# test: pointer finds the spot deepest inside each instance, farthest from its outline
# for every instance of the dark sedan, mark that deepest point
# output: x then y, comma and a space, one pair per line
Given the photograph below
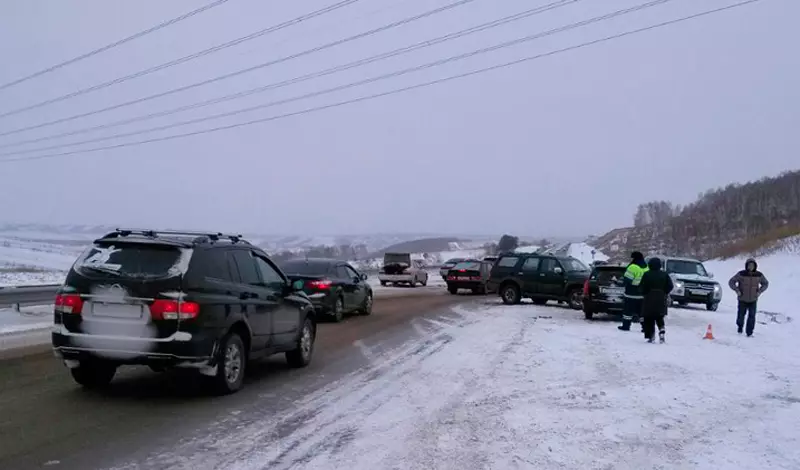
334, 287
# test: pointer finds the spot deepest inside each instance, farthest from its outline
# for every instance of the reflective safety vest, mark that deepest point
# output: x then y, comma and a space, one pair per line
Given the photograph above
634, 274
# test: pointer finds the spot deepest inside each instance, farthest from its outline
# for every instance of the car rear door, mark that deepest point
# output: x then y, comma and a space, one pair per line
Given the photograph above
529, 275
255, 297
285, 317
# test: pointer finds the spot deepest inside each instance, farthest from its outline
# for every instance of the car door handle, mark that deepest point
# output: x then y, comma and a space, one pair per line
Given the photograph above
542, 274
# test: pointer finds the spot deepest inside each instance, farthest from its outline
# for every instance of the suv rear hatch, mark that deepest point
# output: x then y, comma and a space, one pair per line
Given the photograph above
605, 282
396, 263
126, 289
465, 271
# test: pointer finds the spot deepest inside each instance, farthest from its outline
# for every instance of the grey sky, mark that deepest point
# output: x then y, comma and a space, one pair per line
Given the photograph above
566, 145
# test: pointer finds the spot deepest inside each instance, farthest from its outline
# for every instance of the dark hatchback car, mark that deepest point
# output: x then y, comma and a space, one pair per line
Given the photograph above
334, 287
540, 278
207, 302
602, 292
470, 274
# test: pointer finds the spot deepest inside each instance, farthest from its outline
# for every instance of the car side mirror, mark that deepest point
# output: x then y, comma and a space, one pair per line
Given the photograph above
297, 285
363, 276
558, 271
356, 279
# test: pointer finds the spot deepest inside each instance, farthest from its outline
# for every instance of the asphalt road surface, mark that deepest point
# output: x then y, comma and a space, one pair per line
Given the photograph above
47, 421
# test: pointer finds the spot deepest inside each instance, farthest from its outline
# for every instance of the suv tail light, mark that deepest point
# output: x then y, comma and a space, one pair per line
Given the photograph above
586, 288
163, 309
69, 303
321, 284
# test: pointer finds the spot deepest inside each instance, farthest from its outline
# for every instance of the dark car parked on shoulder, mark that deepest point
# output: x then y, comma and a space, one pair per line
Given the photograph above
539, 277
448, 265
469, 274
602, 292
203, 301
334, 287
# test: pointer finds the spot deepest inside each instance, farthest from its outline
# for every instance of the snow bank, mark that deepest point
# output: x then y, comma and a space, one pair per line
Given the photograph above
587, 254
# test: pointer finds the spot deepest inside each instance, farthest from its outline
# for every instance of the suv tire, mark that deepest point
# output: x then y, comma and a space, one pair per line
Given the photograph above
338, 310
510, 294
94, 374
300, 356
366, 309
575, 298
712, 307
231, 362
413, 282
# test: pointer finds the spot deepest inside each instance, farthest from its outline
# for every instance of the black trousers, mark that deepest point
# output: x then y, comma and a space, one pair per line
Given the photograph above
650, 324
632, 308
749, 309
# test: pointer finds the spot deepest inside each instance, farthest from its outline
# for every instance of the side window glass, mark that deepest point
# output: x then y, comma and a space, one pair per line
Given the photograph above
247, 267
508, 261
350, 272
531, 264
214, 265
269, 275
341, 273
549, 265
232, 268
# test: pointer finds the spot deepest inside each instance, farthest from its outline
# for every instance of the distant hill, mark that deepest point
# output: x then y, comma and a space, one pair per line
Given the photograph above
725, 222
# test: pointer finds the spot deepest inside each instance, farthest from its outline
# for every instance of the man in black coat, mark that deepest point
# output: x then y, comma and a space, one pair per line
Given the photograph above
655, 287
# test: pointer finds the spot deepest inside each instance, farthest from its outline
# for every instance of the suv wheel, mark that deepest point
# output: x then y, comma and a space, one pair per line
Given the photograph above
94, 374
338, 310
413, 282
366, 309
712, 307
300, 356
575, 298
231, 360
425, 282
510, 294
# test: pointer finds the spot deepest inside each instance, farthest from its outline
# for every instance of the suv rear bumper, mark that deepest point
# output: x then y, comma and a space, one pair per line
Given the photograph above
603, 306
395, 277
180, 349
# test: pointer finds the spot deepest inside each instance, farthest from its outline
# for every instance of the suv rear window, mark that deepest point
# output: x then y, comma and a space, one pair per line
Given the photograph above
573, 265
607, 274
468, 266
507, 261
133, 260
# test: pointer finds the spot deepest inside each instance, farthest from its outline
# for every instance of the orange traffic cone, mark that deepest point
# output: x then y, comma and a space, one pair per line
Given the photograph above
709, 334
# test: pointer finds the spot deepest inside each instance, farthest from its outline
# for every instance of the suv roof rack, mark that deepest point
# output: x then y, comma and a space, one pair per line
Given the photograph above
124, 232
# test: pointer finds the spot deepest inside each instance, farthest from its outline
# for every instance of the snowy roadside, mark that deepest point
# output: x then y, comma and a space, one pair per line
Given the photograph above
538, 388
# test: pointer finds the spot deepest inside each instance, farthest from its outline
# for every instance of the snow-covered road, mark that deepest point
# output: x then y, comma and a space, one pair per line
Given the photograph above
540, 388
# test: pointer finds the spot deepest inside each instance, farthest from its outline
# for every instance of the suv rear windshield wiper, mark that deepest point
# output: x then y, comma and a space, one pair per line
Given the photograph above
101, 269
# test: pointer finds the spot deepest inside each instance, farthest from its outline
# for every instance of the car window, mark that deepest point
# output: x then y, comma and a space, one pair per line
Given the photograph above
548, 265
574, 265
531, 264
233, 269
214, 265
508, 261
130, 260
269, 274
341, 273
686, 267
247, 267
468, 266
352, 273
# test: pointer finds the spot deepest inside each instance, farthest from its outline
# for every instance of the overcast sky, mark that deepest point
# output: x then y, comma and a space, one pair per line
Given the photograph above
565, 145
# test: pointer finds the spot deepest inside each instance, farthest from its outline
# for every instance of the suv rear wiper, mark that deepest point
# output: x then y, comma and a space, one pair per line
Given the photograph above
101, 269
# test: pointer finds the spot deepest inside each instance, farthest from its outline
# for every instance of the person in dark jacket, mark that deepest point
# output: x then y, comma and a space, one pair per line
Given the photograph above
748, 284
632, 307
655, 287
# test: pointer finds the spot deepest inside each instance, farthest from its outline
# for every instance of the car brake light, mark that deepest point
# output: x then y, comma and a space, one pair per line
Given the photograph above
163, 309
586, 288
320, 284
69, 303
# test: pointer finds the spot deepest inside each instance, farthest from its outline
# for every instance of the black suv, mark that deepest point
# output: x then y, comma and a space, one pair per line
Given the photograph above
539, 277
203, 301
602, 292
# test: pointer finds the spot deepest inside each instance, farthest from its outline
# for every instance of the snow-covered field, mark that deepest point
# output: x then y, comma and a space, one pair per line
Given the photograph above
529, 387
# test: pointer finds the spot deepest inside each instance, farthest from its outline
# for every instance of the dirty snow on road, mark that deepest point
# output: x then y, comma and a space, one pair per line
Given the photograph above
538, 387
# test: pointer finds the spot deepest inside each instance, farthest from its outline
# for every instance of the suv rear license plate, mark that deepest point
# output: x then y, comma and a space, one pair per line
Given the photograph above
611, 290
463, 278
113, 310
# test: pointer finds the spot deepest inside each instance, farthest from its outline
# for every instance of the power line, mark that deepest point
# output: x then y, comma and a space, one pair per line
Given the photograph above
100, 50
391, 92
249, 69
395, 74
183, 59
293, 81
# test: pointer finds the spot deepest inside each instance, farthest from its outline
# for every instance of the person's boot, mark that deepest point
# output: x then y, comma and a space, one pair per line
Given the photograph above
739, 330
661, 334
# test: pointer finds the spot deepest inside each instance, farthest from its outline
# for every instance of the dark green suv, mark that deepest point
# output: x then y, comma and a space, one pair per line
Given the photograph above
539, 277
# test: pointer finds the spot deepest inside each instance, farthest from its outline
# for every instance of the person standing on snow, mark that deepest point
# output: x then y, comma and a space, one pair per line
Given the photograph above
633, 296
655, 287
748, 284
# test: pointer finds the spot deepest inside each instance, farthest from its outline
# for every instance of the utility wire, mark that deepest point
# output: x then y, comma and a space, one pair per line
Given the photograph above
292, 81
183, 59
100, 50
398, 73
391, 92
249, 69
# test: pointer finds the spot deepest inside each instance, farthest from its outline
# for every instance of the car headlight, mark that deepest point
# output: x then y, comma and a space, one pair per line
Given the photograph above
717, 291
678, 285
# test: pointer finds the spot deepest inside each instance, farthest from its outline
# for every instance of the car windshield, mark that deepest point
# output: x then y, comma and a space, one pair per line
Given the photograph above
468, 266
573, 265
130, 260
391, 258
304, 267
686, 267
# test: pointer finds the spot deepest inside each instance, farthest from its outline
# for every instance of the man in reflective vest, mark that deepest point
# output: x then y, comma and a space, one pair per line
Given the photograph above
633, 295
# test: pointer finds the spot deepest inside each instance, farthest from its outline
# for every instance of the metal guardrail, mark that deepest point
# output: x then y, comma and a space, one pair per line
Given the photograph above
17, 296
